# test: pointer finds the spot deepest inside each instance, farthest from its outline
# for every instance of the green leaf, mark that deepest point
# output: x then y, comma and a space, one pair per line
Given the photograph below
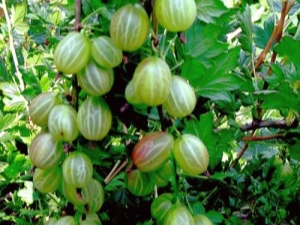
14, 101
18, 14
26, 194
3, 71
192, 68
209, 11
289, 48
262, 35
7, 121
203, 41
294, 149
56, 17
21, 27
32, 213
215, 217
283, 97
3, 166
19, 165
245, 38
204, 130
198, 208
214, 82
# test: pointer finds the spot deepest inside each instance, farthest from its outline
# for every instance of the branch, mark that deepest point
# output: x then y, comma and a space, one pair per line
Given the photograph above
155, 26
77, 15
12, 47
75, 87
239, 155
115, 171
277, 33
265, 124
263, 138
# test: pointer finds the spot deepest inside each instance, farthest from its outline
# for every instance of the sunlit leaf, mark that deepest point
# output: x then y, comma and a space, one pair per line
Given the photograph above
208, 11
26, 194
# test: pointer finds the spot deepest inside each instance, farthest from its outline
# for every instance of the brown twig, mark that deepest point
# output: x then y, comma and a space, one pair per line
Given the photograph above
263, 138
277, 33
265, 124
115, 171
78, 15
75, 87
155, 26
239, 155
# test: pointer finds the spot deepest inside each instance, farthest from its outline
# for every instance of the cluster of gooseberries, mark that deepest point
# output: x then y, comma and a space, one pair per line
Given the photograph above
152, 84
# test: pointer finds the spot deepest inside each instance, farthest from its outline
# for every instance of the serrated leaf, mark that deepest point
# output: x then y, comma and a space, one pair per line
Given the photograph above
5, 137
214, 82
289, 48
262, 35
209, 10
56, 17
19, 165
192, 68
245, 37
282, 98
6, 121
203, 41
18, 14
26, 194
21, 27
204, 130
13, 100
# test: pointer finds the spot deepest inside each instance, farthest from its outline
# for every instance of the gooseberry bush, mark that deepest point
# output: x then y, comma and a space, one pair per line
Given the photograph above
149, 112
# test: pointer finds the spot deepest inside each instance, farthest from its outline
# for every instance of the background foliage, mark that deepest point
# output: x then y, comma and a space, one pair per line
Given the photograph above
241, 57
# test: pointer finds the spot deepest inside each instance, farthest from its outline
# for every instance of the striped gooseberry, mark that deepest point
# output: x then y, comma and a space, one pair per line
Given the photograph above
62, 123
129, 27
48, 180
191, 154
132, 98
66, 220
202, 220
160, 207
152, 151
152, 81
96, 192
77, 169
105, 52
51, 221
138, 183
162, 175
90, 219
45, 151
72, 53
41, 106
181, 100
175, 15
179, 215
95, 80
94, 118
75, 195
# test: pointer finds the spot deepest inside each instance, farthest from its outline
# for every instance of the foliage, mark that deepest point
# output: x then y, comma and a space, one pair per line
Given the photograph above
241, 59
